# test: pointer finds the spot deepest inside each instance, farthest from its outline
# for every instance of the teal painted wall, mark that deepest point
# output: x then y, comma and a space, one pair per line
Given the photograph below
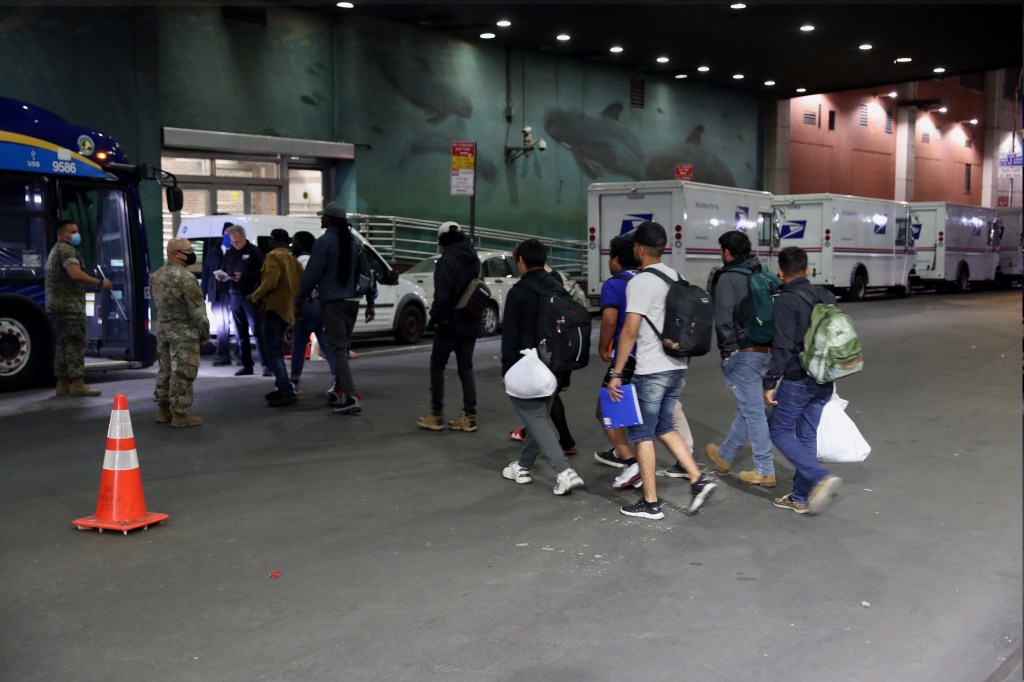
399, 93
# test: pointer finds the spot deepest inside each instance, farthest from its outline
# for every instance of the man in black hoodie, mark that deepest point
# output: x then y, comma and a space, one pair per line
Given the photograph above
455, 331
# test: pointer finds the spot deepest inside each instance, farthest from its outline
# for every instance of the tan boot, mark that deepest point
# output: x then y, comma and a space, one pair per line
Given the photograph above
754, 478
432, 421
78, 389
63, 387
180, 419
721, 466
163, 413
465, 422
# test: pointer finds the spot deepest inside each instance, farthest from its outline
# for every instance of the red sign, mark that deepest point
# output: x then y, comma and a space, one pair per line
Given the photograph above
463, 168
684, 171
1002, 201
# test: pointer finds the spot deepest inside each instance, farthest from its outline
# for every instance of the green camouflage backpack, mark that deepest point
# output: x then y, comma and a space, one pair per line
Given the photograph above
831, 347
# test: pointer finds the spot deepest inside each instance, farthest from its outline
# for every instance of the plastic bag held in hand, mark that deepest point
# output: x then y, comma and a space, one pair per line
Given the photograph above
530, 377
839, 439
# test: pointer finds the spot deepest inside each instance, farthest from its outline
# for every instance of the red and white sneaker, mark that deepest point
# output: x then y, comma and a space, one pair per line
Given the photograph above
628, 478
517, 435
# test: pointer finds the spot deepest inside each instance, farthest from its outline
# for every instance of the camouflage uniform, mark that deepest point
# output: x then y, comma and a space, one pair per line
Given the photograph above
65, 303
181, 312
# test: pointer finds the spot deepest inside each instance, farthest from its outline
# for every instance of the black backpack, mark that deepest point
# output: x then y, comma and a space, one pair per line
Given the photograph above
563, 330
689, 318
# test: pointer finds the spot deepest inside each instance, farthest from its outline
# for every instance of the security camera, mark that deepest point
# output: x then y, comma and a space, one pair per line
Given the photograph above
542, 144
527, 130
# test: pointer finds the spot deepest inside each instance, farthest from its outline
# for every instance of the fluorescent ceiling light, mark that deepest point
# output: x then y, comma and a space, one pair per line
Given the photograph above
615, 48
680, 76
703, 69
806, 28
769, 83
738, 76
486, 36
866, 46
662, 60
902, 60
737, 5
939, 69
563, 37
504, 23
346, 5
801, 89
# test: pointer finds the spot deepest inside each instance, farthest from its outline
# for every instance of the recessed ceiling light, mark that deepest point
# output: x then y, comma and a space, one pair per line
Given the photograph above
737, 5
486, 36
346, 5
662, 60
563, 37
892, 94
973, 121
801, 89
738, 76
703, 69
902, 60
939, 69
806, 28
943, 110
615, 48
769, 83
680, 76
866, 46
504, 23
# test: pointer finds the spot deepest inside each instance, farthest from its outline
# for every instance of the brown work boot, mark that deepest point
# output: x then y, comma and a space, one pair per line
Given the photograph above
465, 422
432, 421
163, 413
180, 419
78, 389
754, 478
63, 387
721, 466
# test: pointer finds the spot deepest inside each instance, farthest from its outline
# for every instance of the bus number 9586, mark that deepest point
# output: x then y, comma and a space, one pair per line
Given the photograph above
64, 167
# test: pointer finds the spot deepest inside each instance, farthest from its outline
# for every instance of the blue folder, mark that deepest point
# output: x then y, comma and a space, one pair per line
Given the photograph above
626, 412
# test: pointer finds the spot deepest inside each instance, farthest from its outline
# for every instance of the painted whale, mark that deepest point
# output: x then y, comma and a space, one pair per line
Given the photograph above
598, 143
423, 88
707, 167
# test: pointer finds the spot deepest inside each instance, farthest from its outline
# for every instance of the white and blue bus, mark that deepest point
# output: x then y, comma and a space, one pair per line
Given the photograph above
51, 170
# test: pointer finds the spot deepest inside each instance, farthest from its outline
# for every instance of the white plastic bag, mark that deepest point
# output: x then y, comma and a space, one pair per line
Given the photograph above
839, 439
530, 377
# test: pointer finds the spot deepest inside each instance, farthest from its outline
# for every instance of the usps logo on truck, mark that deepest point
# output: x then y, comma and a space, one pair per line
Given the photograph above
742, 219
793, 229
915, 228
880, 220
630, 222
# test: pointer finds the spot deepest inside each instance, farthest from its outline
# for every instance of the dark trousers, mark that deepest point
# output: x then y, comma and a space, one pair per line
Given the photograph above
311, 322
444, 346
220, 311
339, 319
247, 317
273, 350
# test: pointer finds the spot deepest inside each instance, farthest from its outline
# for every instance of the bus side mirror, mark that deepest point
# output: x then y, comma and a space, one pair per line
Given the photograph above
175, 199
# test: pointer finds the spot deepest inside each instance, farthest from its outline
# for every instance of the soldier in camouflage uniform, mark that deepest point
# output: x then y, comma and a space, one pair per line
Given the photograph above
65, 303
184, 326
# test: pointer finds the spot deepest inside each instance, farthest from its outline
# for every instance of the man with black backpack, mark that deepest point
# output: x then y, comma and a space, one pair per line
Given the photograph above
744, 330
522, 328
798, 399
658, 376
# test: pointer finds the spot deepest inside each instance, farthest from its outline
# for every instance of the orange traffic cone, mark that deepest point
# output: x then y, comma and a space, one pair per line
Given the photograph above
121, 505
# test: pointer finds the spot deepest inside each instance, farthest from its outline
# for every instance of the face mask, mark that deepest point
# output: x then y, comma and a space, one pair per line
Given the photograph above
226, 241
190, 258
76, 239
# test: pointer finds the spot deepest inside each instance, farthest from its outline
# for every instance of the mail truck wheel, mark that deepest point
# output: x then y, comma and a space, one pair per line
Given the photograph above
858, 287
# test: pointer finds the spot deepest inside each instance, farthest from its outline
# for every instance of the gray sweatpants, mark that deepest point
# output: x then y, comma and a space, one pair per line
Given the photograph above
541, 436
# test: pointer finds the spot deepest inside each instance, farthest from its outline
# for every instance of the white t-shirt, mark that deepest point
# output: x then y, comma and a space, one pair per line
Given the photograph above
645, 295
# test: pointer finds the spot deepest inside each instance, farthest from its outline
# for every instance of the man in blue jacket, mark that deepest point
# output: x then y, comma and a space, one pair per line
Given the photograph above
333, 270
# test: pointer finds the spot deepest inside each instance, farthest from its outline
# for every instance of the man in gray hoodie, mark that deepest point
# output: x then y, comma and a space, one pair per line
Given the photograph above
333, 269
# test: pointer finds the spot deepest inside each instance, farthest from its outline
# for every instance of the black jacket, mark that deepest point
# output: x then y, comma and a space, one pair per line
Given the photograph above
456, 268
731, 297
519, 325
792, 318
236, 260
212, 289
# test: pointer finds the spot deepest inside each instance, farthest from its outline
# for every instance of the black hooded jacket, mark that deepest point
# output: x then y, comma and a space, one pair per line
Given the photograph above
456, 267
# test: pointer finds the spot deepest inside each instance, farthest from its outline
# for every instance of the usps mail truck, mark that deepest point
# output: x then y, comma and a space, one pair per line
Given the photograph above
693, 214
853, 244
1010, 267
956, 244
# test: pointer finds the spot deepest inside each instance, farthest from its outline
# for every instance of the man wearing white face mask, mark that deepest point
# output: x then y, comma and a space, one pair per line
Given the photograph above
65, 303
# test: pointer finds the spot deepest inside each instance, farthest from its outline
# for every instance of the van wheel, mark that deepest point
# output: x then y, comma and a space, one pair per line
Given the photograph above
858, 288
962, 279
24, 348
904, 291
490, 320
409, 325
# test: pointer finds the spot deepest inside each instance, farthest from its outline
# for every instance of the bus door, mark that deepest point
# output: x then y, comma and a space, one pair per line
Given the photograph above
101, 214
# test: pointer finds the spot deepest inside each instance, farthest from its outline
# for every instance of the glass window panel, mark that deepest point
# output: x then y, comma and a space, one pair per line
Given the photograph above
263, 202
230, 201
305, 191
232, 168
186, 166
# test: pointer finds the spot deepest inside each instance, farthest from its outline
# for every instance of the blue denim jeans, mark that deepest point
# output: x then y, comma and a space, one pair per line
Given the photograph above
744, 373
794, 429
273, 353
657, 394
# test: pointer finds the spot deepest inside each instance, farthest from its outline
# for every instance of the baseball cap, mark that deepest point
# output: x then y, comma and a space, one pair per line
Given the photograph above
649, 233
333, 210
281, 236
449, 227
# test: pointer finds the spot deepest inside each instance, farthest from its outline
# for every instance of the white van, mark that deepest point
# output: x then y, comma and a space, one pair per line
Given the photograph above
693, 214
853, 244
401, 306
1011, 268
955, 244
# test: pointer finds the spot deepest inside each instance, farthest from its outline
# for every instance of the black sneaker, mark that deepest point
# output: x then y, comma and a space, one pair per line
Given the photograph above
349, 406
267, 372
245, 371
677, 471
609, 458
334, 397
221, 362
701, 491
272, 395
644, 509
282, 399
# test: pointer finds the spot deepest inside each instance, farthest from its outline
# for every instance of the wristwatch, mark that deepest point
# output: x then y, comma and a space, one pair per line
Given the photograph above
614, 375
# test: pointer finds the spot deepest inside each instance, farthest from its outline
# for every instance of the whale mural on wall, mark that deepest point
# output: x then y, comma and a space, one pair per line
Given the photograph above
598, 143
425, 89
440, 144
707, 167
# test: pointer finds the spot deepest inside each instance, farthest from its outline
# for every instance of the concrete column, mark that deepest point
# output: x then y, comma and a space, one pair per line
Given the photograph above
906, 127
776, 148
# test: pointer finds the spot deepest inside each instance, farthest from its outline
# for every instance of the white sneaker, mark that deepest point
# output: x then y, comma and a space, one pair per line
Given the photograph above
567, 481
514, 472
629, 477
